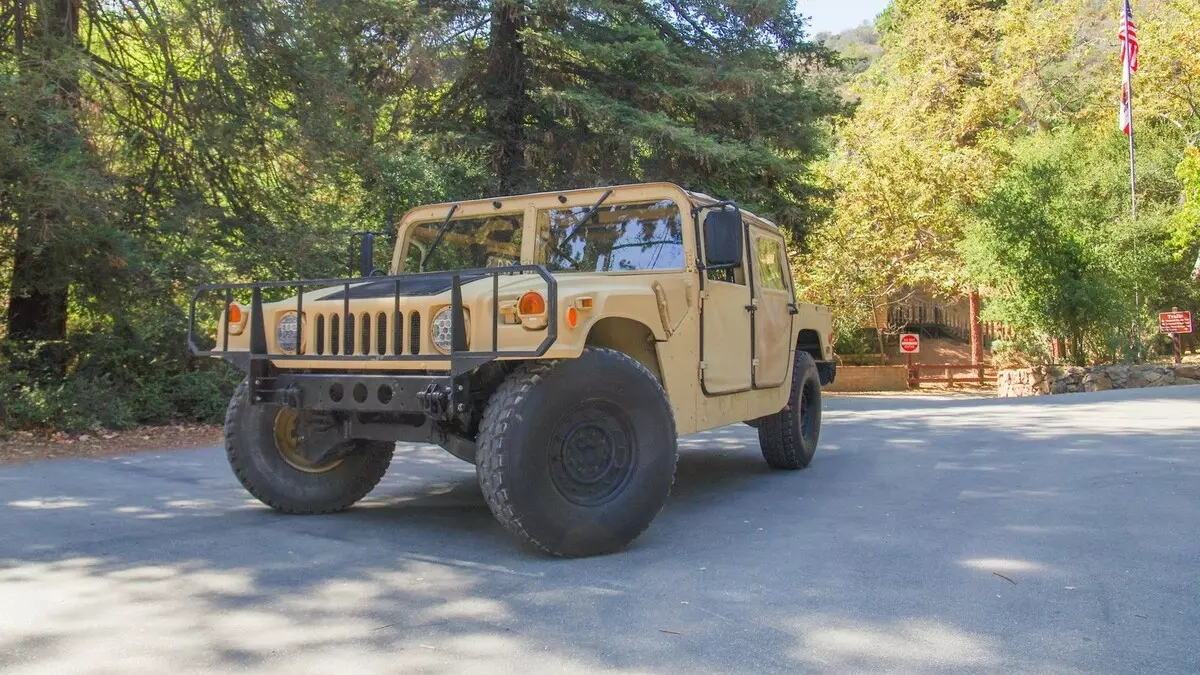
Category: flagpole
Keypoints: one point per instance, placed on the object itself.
(1132, 163)
(1127, 63)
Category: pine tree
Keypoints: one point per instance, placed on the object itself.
(711, 95)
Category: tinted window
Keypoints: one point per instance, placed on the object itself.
(492, 241)
(645, 236)
(770, 267)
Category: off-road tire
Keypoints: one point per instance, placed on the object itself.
(782, 436)
(539, 424)
(250, 447)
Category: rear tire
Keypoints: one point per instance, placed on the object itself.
(789, 437)
(576, 457)
(281, 479)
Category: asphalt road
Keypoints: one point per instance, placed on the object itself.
(886, 555)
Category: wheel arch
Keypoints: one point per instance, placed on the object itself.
(628, 336)
(809, 341)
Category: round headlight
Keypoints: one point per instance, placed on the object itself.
(287, 333)
(439, 329)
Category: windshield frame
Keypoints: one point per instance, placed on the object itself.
(530, 204)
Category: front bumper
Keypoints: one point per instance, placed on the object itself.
(432, 395)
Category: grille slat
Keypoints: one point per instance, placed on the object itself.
(397, 333)
(365, 334)
(381, 333)
(319, 334)
(335, 334)
(414, 333)
(348, 347)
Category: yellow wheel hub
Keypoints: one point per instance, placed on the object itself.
(289, 447)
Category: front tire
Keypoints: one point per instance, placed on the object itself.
(331, 477)
(789, 437)
(576, 457)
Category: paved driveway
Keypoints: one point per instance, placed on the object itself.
(886, 555)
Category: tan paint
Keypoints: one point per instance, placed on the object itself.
(658, 315)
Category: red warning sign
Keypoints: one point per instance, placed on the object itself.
(1175, 322)
(910, 343)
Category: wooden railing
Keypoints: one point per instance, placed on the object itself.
(949, 374)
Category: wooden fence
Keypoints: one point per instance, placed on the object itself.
(949, 374)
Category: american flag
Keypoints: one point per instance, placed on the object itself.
(1129, 65)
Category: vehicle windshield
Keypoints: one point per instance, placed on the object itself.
(486, 241)
(618, 237)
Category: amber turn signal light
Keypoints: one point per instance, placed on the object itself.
(532, 304)
(235, 313)
(572, 317)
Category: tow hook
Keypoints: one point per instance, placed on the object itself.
(436, 401)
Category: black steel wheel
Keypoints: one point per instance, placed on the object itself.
(576, 457)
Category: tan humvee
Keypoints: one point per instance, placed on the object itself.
(561, 341)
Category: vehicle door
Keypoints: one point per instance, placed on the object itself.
(774, 308)
(725, 335)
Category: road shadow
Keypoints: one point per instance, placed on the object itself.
(968, 535)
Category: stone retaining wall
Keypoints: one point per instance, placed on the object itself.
(1041, 380)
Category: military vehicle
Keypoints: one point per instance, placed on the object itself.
(560, 341)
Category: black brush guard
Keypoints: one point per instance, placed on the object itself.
(438, 395)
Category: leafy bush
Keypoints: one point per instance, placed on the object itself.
(101, 391)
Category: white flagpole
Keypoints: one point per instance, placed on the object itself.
(1126, 63)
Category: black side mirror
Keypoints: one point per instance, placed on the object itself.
(366, 254)
(723, 238)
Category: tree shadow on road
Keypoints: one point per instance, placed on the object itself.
(968, 535)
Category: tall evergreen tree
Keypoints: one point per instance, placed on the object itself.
(571, 94)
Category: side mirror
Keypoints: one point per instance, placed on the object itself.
(366, 254)
(723, 238)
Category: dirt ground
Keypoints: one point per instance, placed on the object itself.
(26, 446)
(17, 447)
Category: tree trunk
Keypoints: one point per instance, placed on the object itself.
(506, 95)
(37, 303)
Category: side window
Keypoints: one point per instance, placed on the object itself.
(770, 264)
(618, 237)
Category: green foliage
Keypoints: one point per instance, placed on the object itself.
(150, 147)
(1053, 243)
(970, 105)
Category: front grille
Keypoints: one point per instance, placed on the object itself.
(339, 335)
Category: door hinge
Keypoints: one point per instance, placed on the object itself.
(754, 363)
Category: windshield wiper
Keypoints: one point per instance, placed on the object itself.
(445, 226)
(582, 221)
